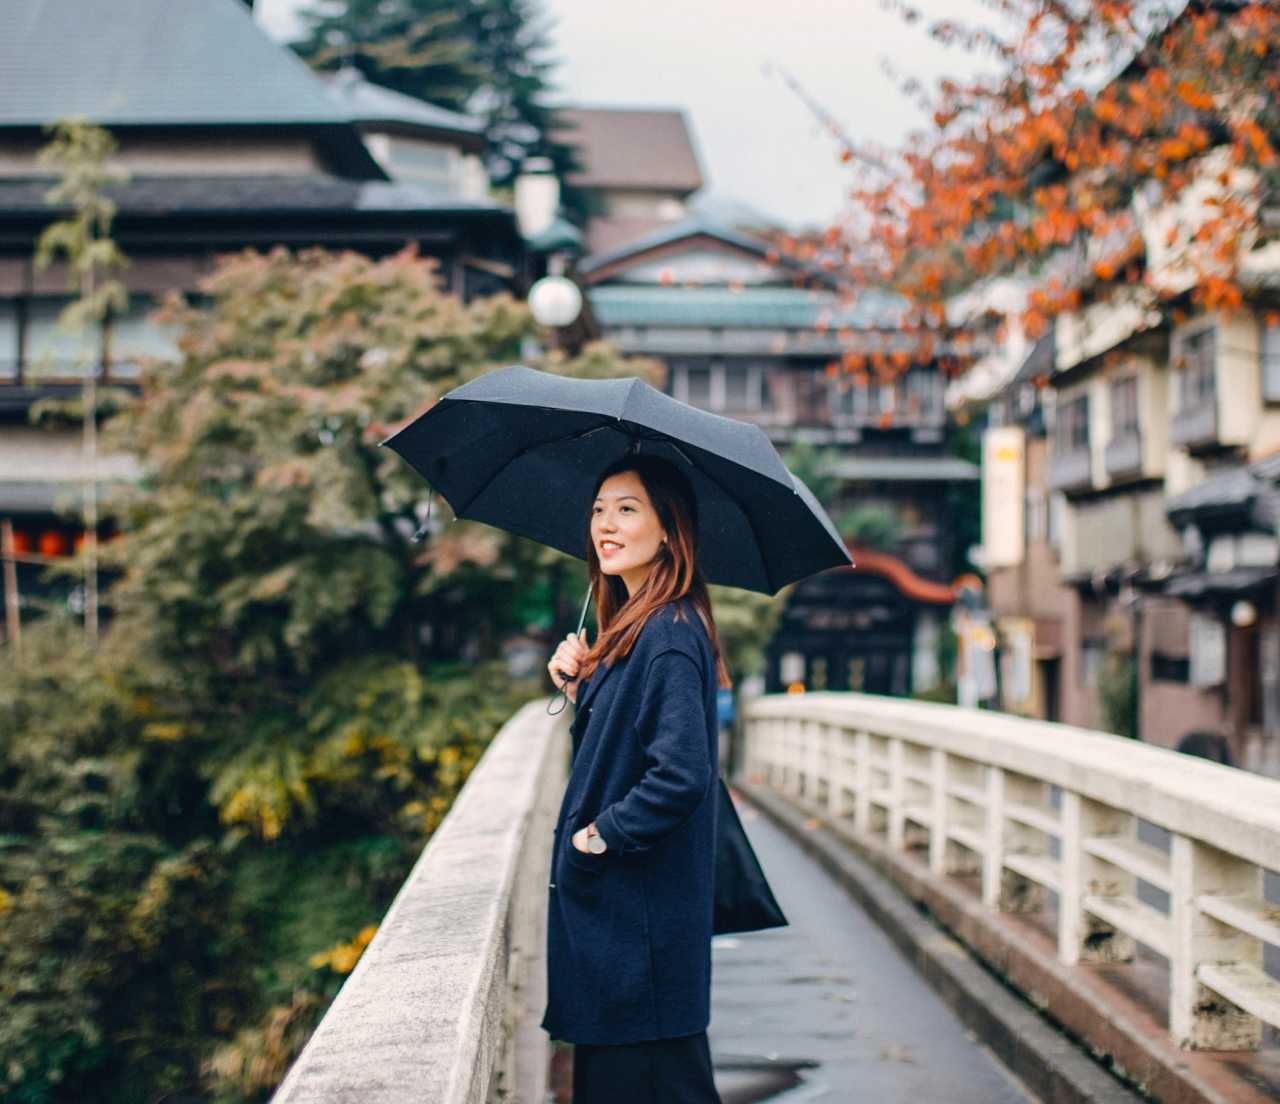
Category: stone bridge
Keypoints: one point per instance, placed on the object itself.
(982, 909)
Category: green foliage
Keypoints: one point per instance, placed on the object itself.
(488, 58)
(1118, 693)
(745, 621)
(284, 705)
(813, 465)
(80, 153)
(944, 692)
(869, 526)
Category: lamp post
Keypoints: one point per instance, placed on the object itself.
(555, 301)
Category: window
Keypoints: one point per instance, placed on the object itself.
(697, 385)
(849, 400)
(1071, 429)
(924, 394)
(54, 351)
(133, 335)
(736, 387)
(434, 168)
(1208, 638)
(1092, 652)
(1036, 517)
(1124, 407)
(8, 339)
(1053, 522)
(1271, 361)
(1196, 360)
(1167, 668)
(742, 387)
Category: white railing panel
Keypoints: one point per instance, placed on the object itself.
(1036, 807)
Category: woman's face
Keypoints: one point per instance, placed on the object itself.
(625, 529)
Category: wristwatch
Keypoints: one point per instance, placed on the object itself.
(595, 841)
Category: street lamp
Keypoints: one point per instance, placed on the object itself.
(1243, 614)
(555, 301)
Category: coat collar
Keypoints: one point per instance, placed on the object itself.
(598, 677)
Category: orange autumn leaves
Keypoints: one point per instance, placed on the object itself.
(342, 957)
(1060, 151)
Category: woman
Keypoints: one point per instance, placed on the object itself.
(632, 872)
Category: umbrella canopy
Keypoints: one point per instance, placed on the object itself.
(522, 449)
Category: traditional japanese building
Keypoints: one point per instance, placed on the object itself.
(230, 142)
(746, 333)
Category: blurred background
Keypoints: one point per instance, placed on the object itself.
(1002, 288)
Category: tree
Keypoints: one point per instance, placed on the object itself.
(81, 152)
(1150, 181)
(198, 819)
(487, 58)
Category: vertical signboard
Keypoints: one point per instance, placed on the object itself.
(1003, 495)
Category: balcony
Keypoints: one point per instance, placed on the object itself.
(1123, 455)
(1196, 427)
(1070, 471)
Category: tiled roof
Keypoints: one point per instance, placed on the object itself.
(630, 148)
(1233, 489)
(669, 233)
(150, 62)
(362, 101)
(771, 307)
(164, 195)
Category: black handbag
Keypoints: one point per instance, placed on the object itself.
(743, 900)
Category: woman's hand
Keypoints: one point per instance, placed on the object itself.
(565, 662)
(579, 839)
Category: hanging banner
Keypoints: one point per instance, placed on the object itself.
(1003, 496)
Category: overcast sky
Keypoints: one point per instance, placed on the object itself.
(757, 142)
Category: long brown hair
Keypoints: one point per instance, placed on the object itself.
(674, 575)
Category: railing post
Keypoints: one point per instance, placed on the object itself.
(993, 853)
(1198, 1017)
(862, 785)
(815, 741)
(1082, 937)
(938, 812)
(897, 795)
(795, 758)
(838, 774)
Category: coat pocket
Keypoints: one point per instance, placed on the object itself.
(580, 860)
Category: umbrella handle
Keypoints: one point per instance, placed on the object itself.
(582, 617)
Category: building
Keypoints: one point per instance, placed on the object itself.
(751, 334)
(639, 166)
(230, 142)
(1021, 547)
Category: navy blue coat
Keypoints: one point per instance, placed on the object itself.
(629, 931)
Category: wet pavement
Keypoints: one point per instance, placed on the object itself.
(831, 998)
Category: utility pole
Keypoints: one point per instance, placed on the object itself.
(12, 620)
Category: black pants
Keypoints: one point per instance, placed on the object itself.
(657, 1071)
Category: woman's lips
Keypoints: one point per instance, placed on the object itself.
(607, 550)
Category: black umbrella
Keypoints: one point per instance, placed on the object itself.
(521, 449)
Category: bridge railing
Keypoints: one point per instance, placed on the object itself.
(1031, 806)
(444, 1004)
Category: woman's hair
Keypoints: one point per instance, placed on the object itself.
(674, 575)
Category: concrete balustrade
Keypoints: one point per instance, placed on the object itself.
(1033, 807)
(444, 1004)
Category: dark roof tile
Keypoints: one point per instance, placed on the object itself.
(151, 62)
